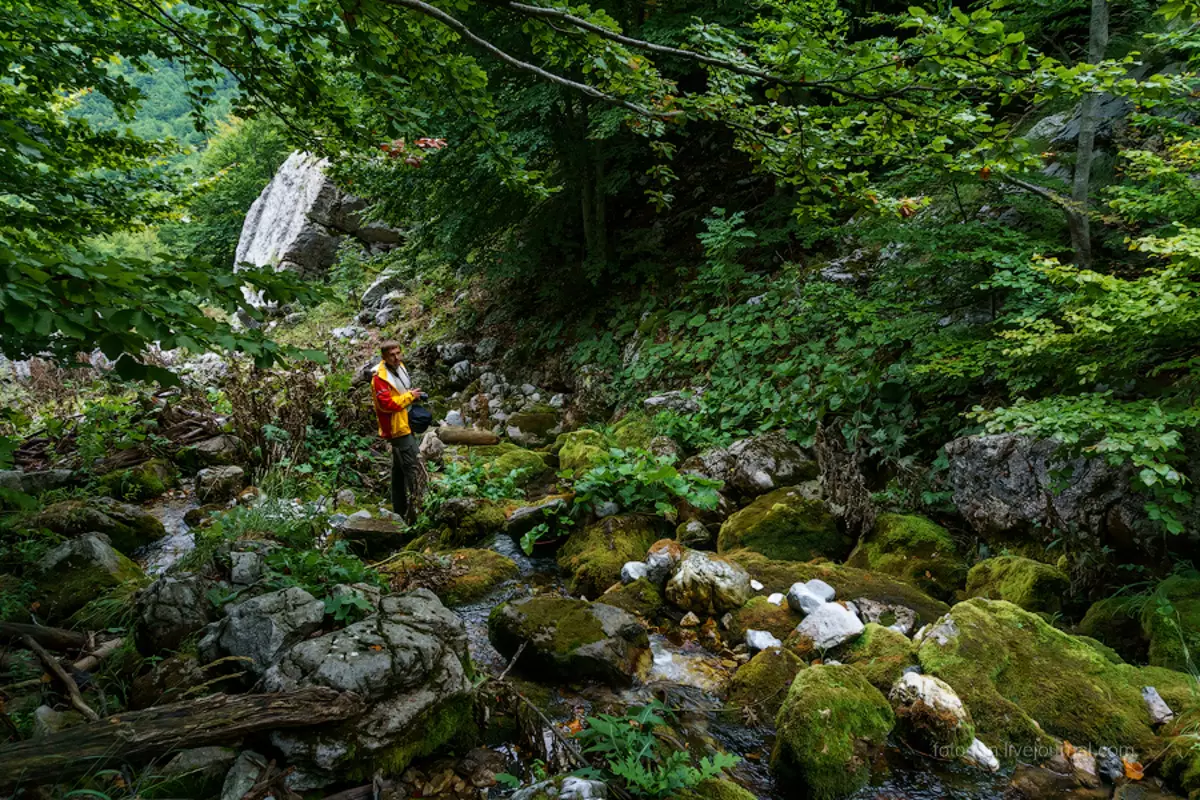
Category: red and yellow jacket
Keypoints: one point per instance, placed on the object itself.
(391, 404)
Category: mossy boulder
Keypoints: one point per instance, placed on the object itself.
(536, 426)
(914, 549)
(126, 526)
(784, 525)
(635, 429)
(569, 640)
(641, 598)
(1173, 632)
(759, 687)
(1030, 584)
(848, 582)
(594, 555)
(1024, 681)
(372, 537)
(142, 482)
(761, 615)
(1117, 624)
(880, 654)
(463, 520)
(579, 451)
(830, 726)
(78, 571)
(716, 789)
(503, 459)
(1181, 764)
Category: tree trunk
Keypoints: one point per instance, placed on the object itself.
(139, 735)
(1078, 220)
(51, 638)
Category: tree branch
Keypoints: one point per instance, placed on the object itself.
(462, 30)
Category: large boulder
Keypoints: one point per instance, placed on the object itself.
(77, 571)
(372, 537)
(849, 583)
(708, 584)
(408, 661)
(580, 450)
(169, 611)
(216, 451)
(219, 484)
(502, 460)
(785, 525)
(760, 614)
(595, 555)
(126, 526)
(457, 577)
(569, 640)
(37, 481)
(1010, 484)
(1029, 584)
(260, 629)
(533, 428)
(915, 549)
(1025, 681)
(830, 727)
(464, 520)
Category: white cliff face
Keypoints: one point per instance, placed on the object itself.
(283, 228)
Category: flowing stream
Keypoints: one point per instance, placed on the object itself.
(685, 676)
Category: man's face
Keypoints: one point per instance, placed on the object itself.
(392, 357)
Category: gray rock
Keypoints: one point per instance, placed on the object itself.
(941, 729)
(454, 419)
(767, 462)
(1006, 483)
(777, 599)
(220, 450)
(1160, 712)
(1109, 763)
(1048, 126)
(830, 625)
(79, 570)
(662, 560)
(219, 484)
(525, 518)
(454, 352)
(460, 374)
(694, 534)
(243, 775)
(247, 568)
(761, 640)
(199, 767)
(486, 348)
(351, 333)
(346, 497)
(558, 401)
(528, 389)
(805, 598)
(981, 756)
(708, 584)
(564, 788)
(263, 628)
(606, 508)
(408, 660)
(634, 571)
(47, 721)
(902, 619)
(126, 526)
(675, 400)
(383, 286)
(36, 482)
(170, 610)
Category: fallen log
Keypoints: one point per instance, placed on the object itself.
(52, 638)
(467, 436)
(158, 731)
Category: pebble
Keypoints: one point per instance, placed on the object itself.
(1160, 712)
(761, 640)
(755, 585)
(778, 599)
(981, 755)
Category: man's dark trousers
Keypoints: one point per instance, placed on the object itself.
(404, 472)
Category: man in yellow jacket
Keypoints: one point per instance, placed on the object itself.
(394, 393)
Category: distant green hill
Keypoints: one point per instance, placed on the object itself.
(164, 111)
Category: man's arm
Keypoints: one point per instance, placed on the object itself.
(384, 399)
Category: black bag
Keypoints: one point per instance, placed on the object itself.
(419, 418)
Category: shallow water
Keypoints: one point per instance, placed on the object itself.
(170, 509)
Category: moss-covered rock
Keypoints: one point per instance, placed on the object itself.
(635, 429)
(759, 687)
(641, 598)
(761, 615)
(463, 520)
(784, 525)
(849, 583)
(1114, 622)
(1030, 584)
(372, 537)
(914, 549)
(126, 526)
(1181, 764)
(536, 426)
(1025, 681)
(581, 450)
(569, 640)
(594, 555)
(142, 482)
(831, 724)
(79, 571)
(457, 577)
(1173, 629)
(716, 789)
(880, 654)
(506, 458)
